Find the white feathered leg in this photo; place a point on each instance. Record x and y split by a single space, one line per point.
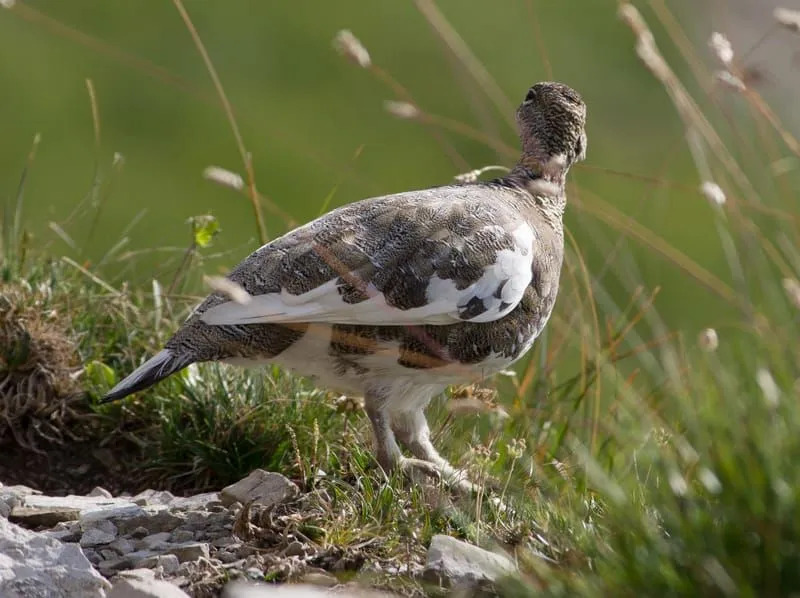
411 429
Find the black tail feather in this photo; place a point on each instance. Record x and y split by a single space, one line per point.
162 364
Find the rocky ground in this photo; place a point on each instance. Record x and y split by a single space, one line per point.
229 543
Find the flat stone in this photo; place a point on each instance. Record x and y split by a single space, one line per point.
453 563
32 564
190 551
262 488
116 513
42 516
38 510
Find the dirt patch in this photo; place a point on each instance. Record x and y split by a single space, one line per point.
71 468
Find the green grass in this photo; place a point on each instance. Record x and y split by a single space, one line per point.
632 459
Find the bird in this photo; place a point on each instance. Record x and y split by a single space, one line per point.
397 297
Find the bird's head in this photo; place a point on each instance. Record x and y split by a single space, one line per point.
551 123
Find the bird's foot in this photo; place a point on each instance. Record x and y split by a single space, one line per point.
452 478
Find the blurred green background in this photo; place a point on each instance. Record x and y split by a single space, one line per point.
316 125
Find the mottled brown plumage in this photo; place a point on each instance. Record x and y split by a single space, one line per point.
397 297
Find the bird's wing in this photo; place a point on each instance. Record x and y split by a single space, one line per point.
426 257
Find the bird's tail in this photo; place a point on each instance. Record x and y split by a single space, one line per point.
162 364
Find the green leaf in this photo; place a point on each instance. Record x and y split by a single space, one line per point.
204 228
99 375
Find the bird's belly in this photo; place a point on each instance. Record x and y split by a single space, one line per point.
348 358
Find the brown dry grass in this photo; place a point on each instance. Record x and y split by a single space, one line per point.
39 393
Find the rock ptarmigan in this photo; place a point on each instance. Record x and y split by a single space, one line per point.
397 297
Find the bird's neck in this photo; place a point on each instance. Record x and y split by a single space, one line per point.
544 182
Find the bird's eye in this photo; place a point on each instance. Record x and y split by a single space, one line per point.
530 95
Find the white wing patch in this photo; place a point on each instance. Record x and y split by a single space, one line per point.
500 289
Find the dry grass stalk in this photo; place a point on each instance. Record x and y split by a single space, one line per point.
690 113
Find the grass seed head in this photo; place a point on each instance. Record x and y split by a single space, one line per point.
713 193
722 48
349 46
786 17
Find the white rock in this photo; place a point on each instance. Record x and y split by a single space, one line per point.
262 487
196 502
100 492
245 589
153 497
453 563
33 565
141 583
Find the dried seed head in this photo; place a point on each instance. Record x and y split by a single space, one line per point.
769 388
710 480
713 193
722 48
404 110
349 46
233 291
117 160
792 288
786 18
7 3
224 177
473 175
677 483
516 448
730 81
708 340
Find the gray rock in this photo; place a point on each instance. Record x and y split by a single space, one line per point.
128 561
182 535
5 509
33 565
153 541
168 562
261 487
136 584
65 531
139 532
153 519
453 563
190 551
98 532
122 546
